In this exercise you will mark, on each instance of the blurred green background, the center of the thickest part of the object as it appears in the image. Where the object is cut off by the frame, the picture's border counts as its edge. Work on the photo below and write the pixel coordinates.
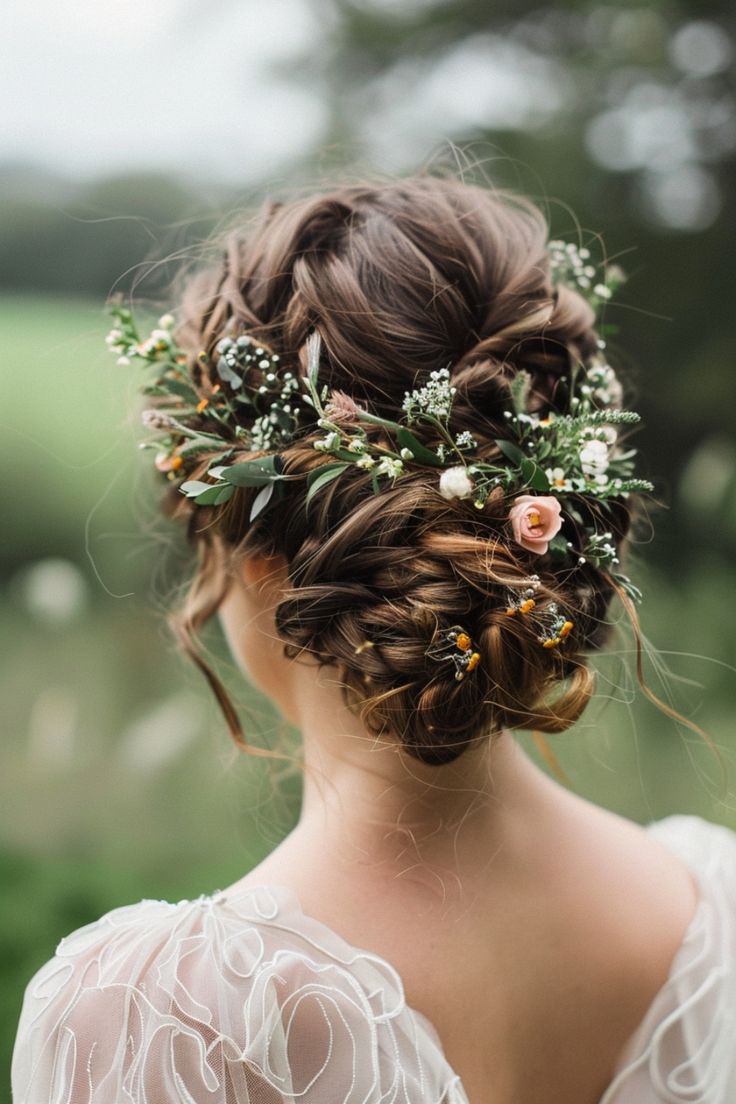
(118, 778)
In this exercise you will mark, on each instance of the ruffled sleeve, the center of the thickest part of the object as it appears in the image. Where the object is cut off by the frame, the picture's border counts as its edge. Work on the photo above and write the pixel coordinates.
(221, 1000)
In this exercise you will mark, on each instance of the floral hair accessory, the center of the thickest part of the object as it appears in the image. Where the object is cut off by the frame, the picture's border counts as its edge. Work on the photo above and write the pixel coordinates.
(557, 626)
(236, 412)
(456, 647)
(535, 519)
(525, 602)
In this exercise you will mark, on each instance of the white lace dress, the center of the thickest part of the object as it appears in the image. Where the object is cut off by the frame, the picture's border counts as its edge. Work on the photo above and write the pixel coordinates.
(244, 998)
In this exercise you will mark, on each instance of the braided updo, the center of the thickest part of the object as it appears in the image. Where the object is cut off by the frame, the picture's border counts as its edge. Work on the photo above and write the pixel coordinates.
(401, 279)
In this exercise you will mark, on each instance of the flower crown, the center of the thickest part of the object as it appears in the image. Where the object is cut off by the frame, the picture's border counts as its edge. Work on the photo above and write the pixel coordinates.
(548, 459)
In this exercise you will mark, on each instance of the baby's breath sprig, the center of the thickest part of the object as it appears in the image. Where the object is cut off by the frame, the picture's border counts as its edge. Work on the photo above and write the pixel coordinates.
(572, 265)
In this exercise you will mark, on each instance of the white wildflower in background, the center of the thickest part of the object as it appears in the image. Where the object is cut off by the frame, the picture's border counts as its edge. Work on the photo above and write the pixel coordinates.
(456, 483)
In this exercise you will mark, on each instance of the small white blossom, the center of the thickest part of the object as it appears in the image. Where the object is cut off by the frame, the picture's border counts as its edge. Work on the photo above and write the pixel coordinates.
(465, 439)
(558, 479)
(602, 291)
(326, 444)
(456, 483)
(166, 321)
(594, 459)
(123, 361)
(365, 462)
(434, 398)
(406, 454)
(388, 466)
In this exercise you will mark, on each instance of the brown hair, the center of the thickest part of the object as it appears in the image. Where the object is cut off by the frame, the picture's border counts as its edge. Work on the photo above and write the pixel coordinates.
(400, 279)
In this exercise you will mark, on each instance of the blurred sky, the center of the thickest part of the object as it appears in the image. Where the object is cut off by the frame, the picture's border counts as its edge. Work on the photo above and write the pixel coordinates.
(81, 82)
(241, 90)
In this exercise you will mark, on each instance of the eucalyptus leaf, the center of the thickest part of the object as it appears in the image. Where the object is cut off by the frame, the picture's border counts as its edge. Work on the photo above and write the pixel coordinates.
(213, 495)
(251, 473)
(261, 500)
(193, 487)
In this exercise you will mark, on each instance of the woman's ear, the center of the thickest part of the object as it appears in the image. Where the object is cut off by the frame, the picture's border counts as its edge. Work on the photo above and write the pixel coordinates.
(264, 572)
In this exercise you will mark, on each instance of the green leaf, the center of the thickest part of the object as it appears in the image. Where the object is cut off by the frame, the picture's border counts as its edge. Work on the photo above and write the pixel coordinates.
(533, 476)
(193, 487)
(558, 547)
(252, 473)
(211, 494)
(178, 387)
(633, 591)
(320, 477)
(375, 482)
(195, 447)
(364, 416)
(261, 500)
(512, 451)
(421, 453)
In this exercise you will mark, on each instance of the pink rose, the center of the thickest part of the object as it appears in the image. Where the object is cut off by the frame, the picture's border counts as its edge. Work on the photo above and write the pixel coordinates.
(535, 519)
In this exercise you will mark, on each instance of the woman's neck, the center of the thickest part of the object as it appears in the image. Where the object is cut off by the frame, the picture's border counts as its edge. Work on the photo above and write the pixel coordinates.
(368, 804)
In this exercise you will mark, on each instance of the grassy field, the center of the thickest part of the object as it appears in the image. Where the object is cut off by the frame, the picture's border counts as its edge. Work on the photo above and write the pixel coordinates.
(119, 780)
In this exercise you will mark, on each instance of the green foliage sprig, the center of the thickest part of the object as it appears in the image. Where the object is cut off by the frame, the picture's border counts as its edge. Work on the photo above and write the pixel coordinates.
(562, 454)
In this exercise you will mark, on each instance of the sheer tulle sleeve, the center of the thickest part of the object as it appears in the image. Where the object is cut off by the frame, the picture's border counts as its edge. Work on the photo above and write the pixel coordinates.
(221, 1001)
(684, 1051)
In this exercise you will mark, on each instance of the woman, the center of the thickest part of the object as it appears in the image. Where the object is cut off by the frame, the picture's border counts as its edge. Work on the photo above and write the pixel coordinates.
(388, 421)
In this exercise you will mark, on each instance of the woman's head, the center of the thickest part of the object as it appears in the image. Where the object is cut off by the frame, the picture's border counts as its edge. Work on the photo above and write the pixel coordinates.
(401, 280)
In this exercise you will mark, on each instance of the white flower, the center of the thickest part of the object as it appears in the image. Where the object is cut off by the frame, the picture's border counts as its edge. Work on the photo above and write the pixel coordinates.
(434, 398)
(388, 466)
(465, 439)
(407, 454)
(365, 462)
(456, 483)
(166, 321)
(602, 291)
(594, 458)
(123, 361)
(558, 479)
(328, 442)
